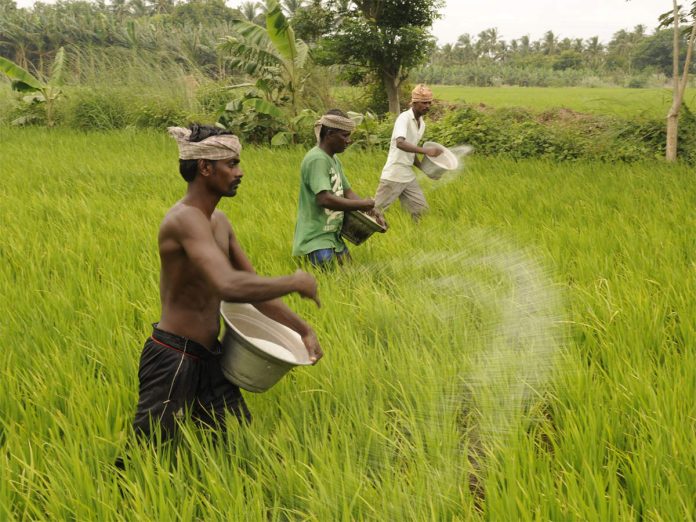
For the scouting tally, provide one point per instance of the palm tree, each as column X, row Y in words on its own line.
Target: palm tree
column 549, row 43
column 250, row 11
column 161, row 6
column 594, row 52
column 487, row 42
column 290, row 7
column 120, row 8
column 464, row 49
column 525, row 45
column 138, row 7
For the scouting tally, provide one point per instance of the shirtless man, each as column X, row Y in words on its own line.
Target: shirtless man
column 202, row 264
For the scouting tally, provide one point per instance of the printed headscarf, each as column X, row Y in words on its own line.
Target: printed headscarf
column 217, row 147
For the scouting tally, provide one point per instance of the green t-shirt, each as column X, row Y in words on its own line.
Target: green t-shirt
column 317, row 227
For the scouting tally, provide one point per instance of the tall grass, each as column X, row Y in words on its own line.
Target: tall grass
column 390, row 425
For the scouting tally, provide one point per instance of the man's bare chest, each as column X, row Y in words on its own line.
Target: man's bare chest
column 222, row 238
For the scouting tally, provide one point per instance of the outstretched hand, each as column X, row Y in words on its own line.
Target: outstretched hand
column 306, row 286
column 313, row 348
column 432, row 152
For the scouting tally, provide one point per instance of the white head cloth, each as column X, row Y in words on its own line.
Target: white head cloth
column 335, row 122
column 218, row 147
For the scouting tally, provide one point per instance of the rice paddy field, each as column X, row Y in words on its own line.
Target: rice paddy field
column 649, row 103
column 617, row 101
column 525, row 352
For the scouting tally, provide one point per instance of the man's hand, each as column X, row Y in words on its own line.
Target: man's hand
column 313, row 348
column 432, row 152
column 306, row 286
column 369, row 205
column 379, row 217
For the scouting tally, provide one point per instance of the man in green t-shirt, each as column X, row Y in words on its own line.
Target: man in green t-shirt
column 325, row 194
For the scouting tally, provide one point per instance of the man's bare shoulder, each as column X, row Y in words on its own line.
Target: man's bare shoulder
column 180, row 219
column 220, row 219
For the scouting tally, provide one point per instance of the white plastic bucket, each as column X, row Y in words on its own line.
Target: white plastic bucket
column 257, row 351
column 434, row 168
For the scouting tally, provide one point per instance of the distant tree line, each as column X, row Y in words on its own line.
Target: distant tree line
column 190, row 31
column 630, row 53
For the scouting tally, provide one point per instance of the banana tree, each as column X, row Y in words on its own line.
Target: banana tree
column 37, row 90
column 275, row 59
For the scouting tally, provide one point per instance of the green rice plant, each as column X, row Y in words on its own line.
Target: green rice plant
column 389, row 425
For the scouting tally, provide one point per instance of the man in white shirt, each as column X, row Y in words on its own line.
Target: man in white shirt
column 398, row 179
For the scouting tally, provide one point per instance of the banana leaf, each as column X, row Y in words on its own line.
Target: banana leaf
column 263, row 107
column 22, row 80
column 282, row 138
column 280, row 32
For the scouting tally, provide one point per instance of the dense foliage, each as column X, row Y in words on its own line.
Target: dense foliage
column 385, row 39
column 561, row 134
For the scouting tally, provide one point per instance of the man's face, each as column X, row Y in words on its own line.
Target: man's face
column 339, row 140
column 421, row 107
column 226, row 175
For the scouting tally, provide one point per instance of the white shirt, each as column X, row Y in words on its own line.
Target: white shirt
column 399, row 166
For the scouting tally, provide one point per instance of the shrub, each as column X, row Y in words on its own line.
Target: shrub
column 561, row 134
column 92, row 109
column 213, row 97
column 27, row 113
column 159, row 113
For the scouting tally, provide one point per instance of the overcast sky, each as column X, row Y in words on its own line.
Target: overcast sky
column 515, row 18
column 566, row 18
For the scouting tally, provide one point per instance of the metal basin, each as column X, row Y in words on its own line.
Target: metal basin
column 257, row 351
column 358, row 227
column 434, row 168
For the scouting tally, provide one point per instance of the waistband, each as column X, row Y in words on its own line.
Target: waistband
column 184, row 345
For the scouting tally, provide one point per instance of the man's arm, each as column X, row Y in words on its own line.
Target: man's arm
column 276, row 309
column 404, row 145
column 350, row 194
column 193, row 231
column 317, row 175
column 326, row 199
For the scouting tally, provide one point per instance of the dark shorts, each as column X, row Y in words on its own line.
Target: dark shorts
column 327, row 257
column 179, row 377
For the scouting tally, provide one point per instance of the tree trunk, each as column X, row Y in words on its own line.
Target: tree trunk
column 679, row 86
column 673, row 114
column 392, row 88
column 672, row 133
